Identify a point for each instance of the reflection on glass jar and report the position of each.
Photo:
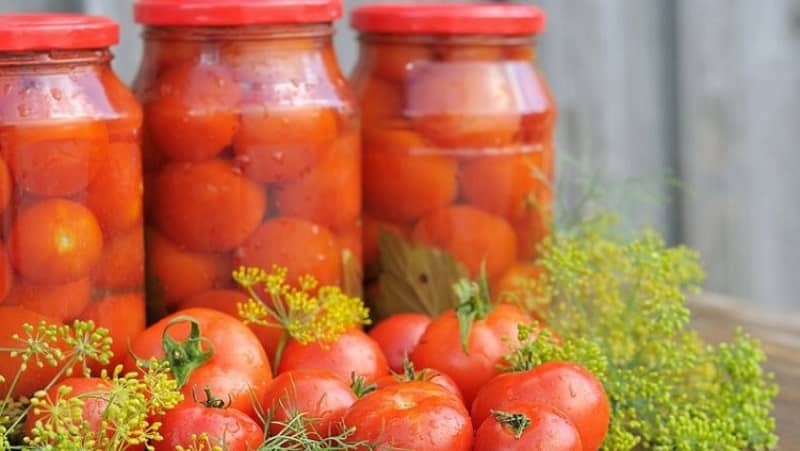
(457, 132)
(252, 148)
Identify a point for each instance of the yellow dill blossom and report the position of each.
(201, 442)
(304, 311)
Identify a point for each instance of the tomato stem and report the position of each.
(188, 355)
(360, 386)
(211, 401)
(474, 303)
(517, 422)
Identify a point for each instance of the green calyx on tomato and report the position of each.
(188, 355)
(517, 422)
(360, 386)
(474, 303)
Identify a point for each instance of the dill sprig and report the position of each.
(619, 309)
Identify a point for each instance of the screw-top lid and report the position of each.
(239, 12)
(449, 18)
(24, 32)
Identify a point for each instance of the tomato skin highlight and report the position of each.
(239, 363)
(318, 394)
(398, 335)
(418, 416)
(239, 431)
(490, 339)
(354, 352)
(548, 430)
(565, 386)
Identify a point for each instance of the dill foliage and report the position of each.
(618, 307)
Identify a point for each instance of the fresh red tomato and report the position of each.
(238, 367)
(318, 394)
(426, 375)
(353, 353)
(94, 393)
(226, 427)
(417, 416)
(489, 340)
(398, 335)
(525, 427)
(568, 387)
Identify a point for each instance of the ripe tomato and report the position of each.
(278, 145)
(238, 366)
(57, 159)
(396, 61)
(415, 415)
(398, 335)
(226, 427)
(6, 273)
(55, 241)
(525, 427)
(94, 393)
(63, 302)
(471, 236)
(185, 194)
(124, 317)
(353, 353)
(489, 340)
(6, 185)
(34, 377)
(191, 112)
(400, 185)
(380, 101)
(427, 375)
(115, 193)
(568, 387)
(122, 263)
(296, 244)
(179, 273)
(319, 394)
(337, 176)
(225, 301)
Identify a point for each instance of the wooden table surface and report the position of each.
(716, 318)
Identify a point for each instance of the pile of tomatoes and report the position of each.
(407, 384)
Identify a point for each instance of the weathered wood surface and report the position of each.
(716, 317)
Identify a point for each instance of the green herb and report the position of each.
(353, 274)
(620, 310)
(414, 278)
(474, 303)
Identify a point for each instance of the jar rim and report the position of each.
(449, 18)
(63, 31)
(241, 12)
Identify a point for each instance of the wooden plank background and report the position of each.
(705, 92)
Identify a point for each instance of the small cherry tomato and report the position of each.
(471, 236)
(6, 273)
(6, 185)
(115, 193)
(353, 353)
(121, 264)
(227, 428)
(94, 392)
(320, 395)
(489, 340)
(34, 377)
(381, 102)
(296, 244)
(124, 317)
(190, 199)
(417, 416)
(395, 61)
(55, 241)
(565, 386)
(57, 159)
(401, 185)
(274, 146)
(427, 375)
(238, 367)
(525, 427)
(179, 273)
(63, 302)
(191, 112)
(398, 335)
(225, 301)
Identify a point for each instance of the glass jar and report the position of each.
(457, 131)
(70, 183)
(251, 148)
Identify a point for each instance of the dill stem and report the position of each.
(282, 341)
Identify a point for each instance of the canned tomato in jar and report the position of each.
(251, 147)
(71, 234)
(457, 131)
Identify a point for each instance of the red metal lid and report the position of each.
(23, 32)
(239, 12)
(449, 18)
